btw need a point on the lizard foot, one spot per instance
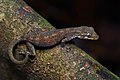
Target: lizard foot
(29, 54)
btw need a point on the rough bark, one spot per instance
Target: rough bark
(56, 63)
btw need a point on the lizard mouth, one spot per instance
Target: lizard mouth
(89, 37)
(94, 37)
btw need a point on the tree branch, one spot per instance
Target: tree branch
(56, 63)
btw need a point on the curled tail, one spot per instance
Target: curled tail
(11, 55)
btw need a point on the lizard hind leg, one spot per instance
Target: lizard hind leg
(31, 49)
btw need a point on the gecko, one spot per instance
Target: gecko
(39, 38)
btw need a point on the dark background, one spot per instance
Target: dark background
(103, 15)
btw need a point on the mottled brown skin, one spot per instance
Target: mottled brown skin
(49, 38)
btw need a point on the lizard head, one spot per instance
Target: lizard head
(87, 33)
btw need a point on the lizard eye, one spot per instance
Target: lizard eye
(86, 35)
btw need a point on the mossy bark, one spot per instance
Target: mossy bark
(56, 63)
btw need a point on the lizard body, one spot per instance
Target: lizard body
(49, 38)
